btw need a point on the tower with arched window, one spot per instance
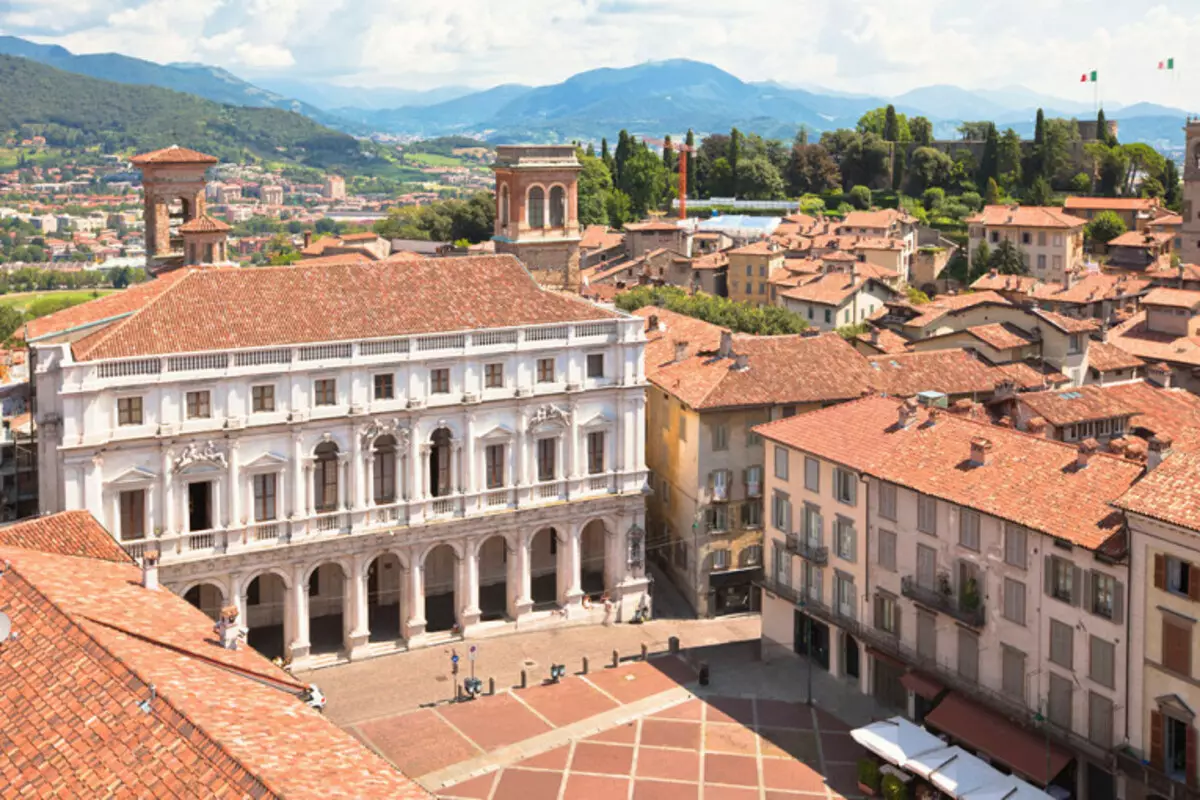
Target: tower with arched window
(537, 217)
(173, 195)
(1189, 251)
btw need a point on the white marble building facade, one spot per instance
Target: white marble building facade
(359, 478)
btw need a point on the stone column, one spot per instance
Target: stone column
(343, 478)
(237, 598)
(95, 491)
(369, 495)
(299, 493)
(574, 562)
(299, 646)
(235, 477)
(423, 467)
(414, 626)
(470, 584)
(471, 484)
(166, 506)
(307, 483)
(414, 467)
(361, 492)
(521, 588)
(573, 446)
(569, 592)
(359, 629)
(519, 448)
(457, 473)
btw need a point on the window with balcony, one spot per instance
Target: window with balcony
(262, 399)
(264, 496)
(927, 514)
(385, 386)
(133, 514)
(781, 512)
(439, 381)
(494, 458)
(887, 614)
(847, 597)
(812, 474)
(926, 568)
(781, 463)
(717, 518)
(814, 525)
(129, 411)
(545, 370)
(199, 405)
(845, 487)
(325, 477)
(720, 437)
(595, 452)
(720, 559)
(325, 392)
(385, 470)
(968, 529)
(493, 376)
(887, 550)
(200, 514)
(845, 539)
(887, 501)
(547, 450)
(1015, 546)
(595, 365)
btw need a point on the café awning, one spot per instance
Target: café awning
(896, 740)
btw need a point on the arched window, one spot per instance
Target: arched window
(504, 218)
(385, 470)
(558, 207)
(325, 477)
(440, 480)
(537, 207)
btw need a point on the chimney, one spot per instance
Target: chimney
(961, 407)
(1005, 388)
(741, 362)
(1004, 422)
(935, 415)
(681, 351)
(1160, 447)
(150, 570)
(1159, 374)
(307, 238)
(1084, 454)
(908, 413)
(1104, 332)
(979, 450)
(726, 344)
(1036, 426)
(874, 334)
(227, 628)
(652, 323)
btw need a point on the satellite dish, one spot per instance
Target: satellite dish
(5, 627)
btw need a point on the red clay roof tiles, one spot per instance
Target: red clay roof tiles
(70, 533)
(1170, 492)
(173, 155)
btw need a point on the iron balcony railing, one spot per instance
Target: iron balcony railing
(817, 554)
(968, 612)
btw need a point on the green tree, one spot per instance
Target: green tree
(607, 158)
(922, 131)
(1102, 132)
(624, 148)
(1081, 183)
(668, 154)
(1007, 259)
(860, 196)
(645, 180)
(865, 159)
(802, 136)
(811, 170)
(691, 163)
(10, 320)
(899, 168)
(1037, 159)
(739, 317)
(885, 123)
(981, 258)
(618, 208)
(735, 154)
(1143, 160)
(760, 180)
(891, 125)
(1104, 227)
(1109, 164)
(1008, 158)
(1170, 182)
(1039, 193)
(974, 131)
(929, 168)
(595, 184)
(992, 196)
(933, 197)
(720, 178)
(989, 162)
(1056, 153)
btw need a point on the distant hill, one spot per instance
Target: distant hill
(331, 96)
(74, 110)
(211, 83)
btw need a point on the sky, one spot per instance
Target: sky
(881, 47)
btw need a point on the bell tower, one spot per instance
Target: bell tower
(537, 210)
(173, 195)
(1189, 251)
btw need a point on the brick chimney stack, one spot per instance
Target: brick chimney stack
(979, 450)
(1084, 454)
(1160, 448)
(681, 351)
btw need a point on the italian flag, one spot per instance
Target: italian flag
(1168, 64)
(1088, 77)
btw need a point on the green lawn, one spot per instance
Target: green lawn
(42, 303)
(434, 160)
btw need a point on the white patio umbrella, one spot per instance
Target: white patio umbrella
(897, 740)
(963, 773)
(1012, 788)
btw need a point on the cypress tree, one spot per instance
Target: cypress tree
(891, 125)
(1038, 159)
(735, 149)
(624, 143)
(668, 154)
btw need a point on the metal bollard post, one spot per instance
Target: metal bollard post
(585, 665)
(645, 651)
(673, 645)
(616, 659)
(492, 686)
(524, 679)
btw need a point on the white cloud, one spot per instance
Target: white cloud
(870, 46)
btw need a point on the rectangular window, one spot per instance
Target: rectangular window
(753, 439)
(845, 538)
(995, 236)
(1061, 700)
(1062, 644)
(887, 501)
(1102, 602)
(1013, 669)
(264, 497)
(926, 567)
(129, 411)
(494, 465)
(683, 423)
(133, 514)
(493, 376)
(926, 635)
(1026, 237)
(720, 437)
(718, 518)
(752, 555)
(812, 474)
(754, 481)
(546, 451)
(1058, 240)
(752, 514)
(545, 370)
(1100, 720)
(1061, 579)
(781, 512)
(1179, 579)
(814, 525)
(326, 392)
(1102, 658)
(385, 387)
(439, 381)
(718, 485)
(887, 550)
(968, 655)
(887, 614)
(927, 514)
(845, 487)
(1041, 261)
(1041, 238)
(595, 365)
(1176, 645)
(1015, 549)
(595, 452)
(968, 529)
(828, 316)
(262, 398)
(846, 596)
(1075, 344)
(781, 463)
(787, 411)
(199, 405)
(1014, 601)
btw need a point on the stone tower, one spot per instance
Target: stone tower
(537, 210)
(173, 187)
(1189, 251)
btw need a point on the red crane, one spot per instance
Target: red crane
(683, 150)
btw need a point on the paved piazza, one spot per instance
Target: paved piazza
(641, 731)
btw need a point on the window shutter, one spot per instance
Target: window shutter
(1156, 738)
(1191, 755)
(1118, 603)
(851, 482)
(1160, 571)
(1048, 574)
(819, 521)
(1085, 591)
(878, 611)
(1076, 585)
(1193, 583)
(853, 543)
(899, 616)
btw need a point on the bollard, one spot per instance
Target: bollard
(645, 651)
(703, 673)
(457, 693)
(524, 679)
(673, 645)
(616, 659)
(585, 665)
(492, 686)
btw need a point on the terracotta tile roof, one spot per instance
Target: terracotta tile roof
(1170, 412)
(947, 371)
(888, 342)
(69, 533)
(830, 289)
(1098, 286)
(711, 261)
(221, 723)
(1166, 221)
(1032, 375)
(866, 269)
(1025, 217)
(1133, 337)
(1170, 492)
(760, 248)
(317, 247)
(803, 220)
(103, 308)
(1029, 480)
(600, 237)
(204, 224)
(1172, 298)
(839, 255)
(1139, 239)
(1111, 203)
(883, 218)
(781, 369)
(879, 244)
(945, 304)
(651, 226)
(1107, 357)
(173, 155)
(1001, 335)
(1080, 404)
(1067, 324)
(807, 266)
(213, 309)
(360, 237)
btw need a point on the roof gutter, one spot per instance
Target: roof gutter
(77, 328)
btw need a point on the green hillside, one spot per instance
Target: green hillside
(73, 110)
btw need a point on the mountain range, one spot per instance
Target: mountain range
(653, 98)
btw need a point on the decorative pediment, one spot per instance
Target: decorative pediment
(498, 432)
(138, 476)
(1174, 705)
(200, 458)
(550, 414)
(385, 427)
(267, 461)
(597, 421)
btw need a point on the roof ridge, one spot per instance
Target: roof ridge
(178, 715)
(1035, 437)
(116, 326)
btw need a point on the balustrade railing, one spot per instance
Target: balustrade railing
(552, 490)
(264, 532)
(499, 498)
(970, 612)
